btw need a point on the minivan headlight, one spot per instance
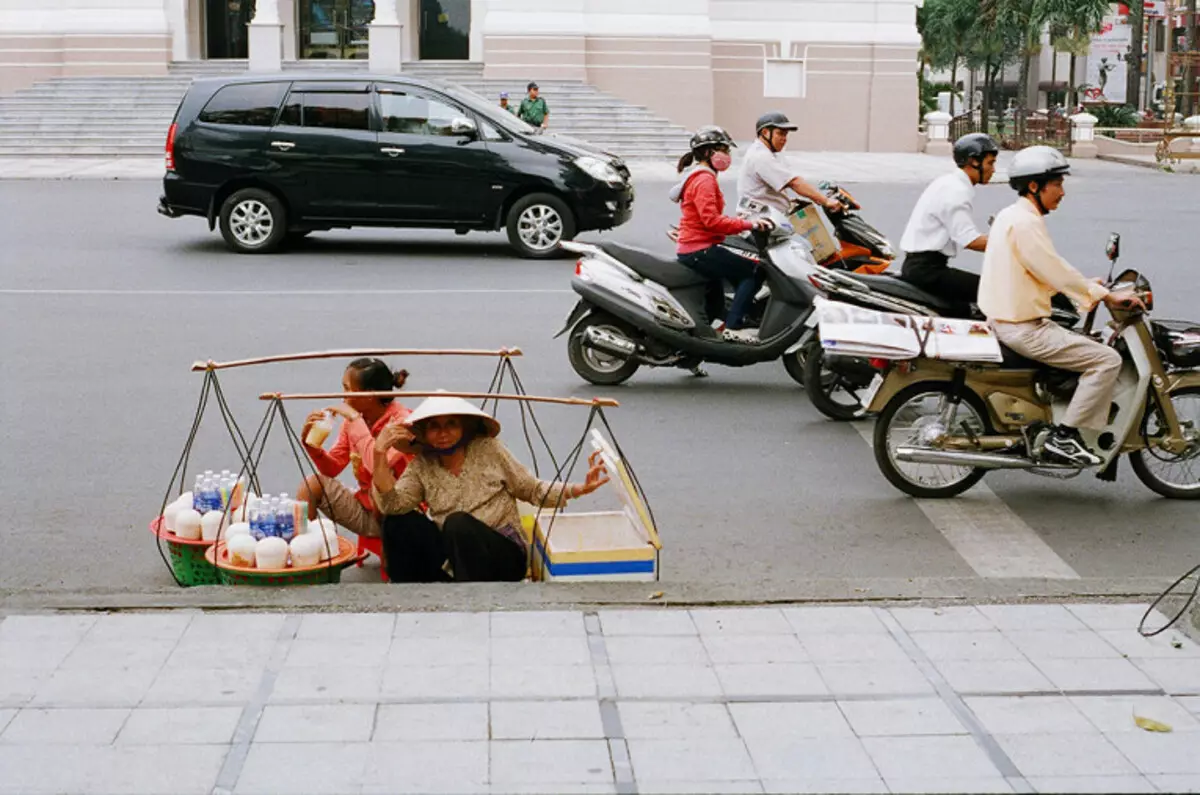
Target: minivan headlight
(599, 170)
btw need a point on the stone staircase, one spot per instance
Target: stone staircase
(129, 116)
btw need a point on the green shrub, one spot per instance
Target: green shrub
(1115, 115)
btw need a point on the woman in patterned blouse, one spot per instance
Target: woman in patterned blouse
(470, 483)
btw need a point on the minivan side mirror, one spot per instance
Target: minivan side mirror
(1113, 248)
(463, 126)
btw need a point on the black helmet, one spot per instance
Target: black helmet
(710, 135)
(773, 119)
(974, 145)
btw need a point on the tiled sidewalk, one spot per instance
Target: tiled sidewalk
(807, 699)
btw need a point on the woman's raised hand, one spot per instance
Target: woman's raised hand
(392, 434)
(343, 411)
(309, 421)
(597, 476)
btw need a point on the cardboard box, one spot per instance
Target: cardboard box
(600, 545)
(811, 223)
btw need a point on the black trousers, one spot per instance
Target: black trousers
(930, 271)
(416, 550)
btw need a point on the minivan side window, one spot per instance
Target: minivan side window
(342, 111)
(415, 114)
(248, 104)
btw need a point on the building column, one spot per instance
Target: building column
(266, 38)
(177, 26)
(479, 9)
(386, 39)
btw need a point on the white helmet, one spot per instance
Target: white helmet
(1036, 163)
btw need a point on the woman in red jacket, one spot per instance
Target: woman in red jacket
(703, 226)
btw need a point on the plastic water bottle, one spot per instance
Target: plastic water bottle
(270, 510)
(256, 518)
(285, 524)
(198, 494)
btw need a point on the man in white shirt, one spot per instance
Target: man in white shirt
(765, 176)
(941, 225)
(1021, 273)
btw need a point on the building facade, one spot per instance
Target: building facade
(845, 69)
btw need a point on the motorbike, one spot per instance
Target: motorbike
(863, 248)
(943, 425)
(636, 308)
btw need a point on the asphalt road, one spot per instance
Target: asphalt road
(104, 305)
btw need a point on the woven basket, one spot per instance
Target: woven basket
(328, 572)
(187, 557)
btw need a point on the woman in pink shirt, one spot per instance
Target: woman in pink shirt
(363, 419)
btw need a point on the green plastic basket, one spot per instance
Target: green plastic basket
(188, 562)
(322, 573)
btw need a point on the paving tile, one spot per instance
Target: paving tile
(743, 680)
(1102, 617)
(953, 757)
(1174, 676)
(541, 651)
(874, 678)
(65, 726)
(790, 720)
(312, 768)
(900, 717)
(1026, 617)
(201, 687)
(335, 651)
(433, 683)
(544, 681)
(154, 769)
(442, 767)
(927, 786)
(1190, 703)
(799, 758)
(647, 622)
(235, 626)
(196, 652)
(180, 726)
(92, 654)
(1054, 644)
(468, 650)
(826, 786)
(139, 627)
(1176, 783)
(1115, 713)
(741, 621)
(990, 645)
(666, 681)
(536, 788)
(53, 628)
(6, 715)
(941, 619)
(676, 649)
(1066, 754)
(416, 722)
(705, 760)
(538, 624)
(1159, 754)
(649, 720)
(47, 770)
(1131, 643)
(853, 647)
(546, 720)
(550, 761)
(1089, 784)
(442, 625)
(724, 649)
(100, 687)
(1029, 715)
(19, 686)
(327, 684)
(833, 620)
(34, 654)
(1095, 675)
(699, 787)
(1005, 676)
(316, 723)
(346, 626)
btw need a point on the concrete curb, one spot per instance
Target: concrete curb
(1184, 167)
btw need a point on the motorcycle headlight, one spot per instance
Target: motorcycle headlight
(599, 170)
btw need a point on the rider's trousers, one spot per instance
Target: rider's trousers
(1100, 365)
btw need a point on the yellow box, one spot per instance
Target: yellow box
(811, 223)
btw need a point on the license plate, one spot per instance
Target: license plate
(872, 390)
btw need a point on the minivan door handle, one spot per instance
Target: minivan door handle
(391, 151)
(284, 145)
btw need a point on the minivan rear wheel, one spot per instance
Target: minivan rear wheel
(537, 223)
(253, 221)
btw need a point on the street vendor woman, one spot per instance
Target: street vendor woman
(471, 483)
(363, 419)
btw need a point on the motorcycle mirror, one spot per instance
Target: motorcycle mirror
(1112, 250)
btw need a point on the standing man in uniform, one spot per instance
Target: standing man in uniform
(941, 225)
(533, 108)
(504, 103)
(765, 176)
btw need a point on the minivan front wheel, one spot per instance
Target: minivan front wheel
(253, 221)
(537, 223)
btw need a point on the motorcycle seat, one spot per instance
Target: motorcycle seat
(667, 272)
(898, 288)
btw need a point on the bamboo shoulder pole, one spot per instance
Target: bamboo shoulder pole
(605, 402)
(503, 353)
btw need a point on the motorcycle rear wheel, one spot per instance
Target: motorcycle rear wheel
(794, 364)
(598, 367)
(831, 392)
(1148, 463)
(915, 407)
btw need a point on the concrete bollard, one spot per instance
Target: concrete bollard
(1083, 135)
(937, 133)
(1192, 125)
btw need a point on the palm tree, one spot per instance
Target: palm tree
(1078, 19)
(945, 27)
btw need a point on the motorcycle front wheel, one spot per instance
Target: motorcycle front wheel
(911, 419)
(600, 367)
(794, 364)
(835, 388)
(1175, 476)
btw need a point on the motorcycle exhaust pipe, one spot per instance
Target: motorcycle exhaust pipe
(610, 343)
(925, 455)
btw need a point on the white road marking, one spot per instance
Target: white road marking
(496, 291)
(987, 534)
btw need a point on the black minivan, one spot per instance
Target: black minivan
(272, 157)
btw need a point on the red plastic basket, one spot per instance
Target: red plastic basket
(328, 572)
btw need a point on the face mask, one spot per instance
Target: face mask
(721, 161)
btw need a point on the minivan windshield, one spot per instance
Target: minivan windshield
(493, 113)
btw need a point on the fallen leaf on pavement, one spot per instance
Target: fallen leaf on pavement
(656, 595)
(1150, 725)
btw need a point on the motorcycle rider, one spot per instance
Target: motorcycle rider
(941, 225)
(765, 175)
(1021, 273)
(703, 226)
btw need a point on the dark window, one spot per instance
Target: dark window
(416, 115)
(249, 104)
(338, 111)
